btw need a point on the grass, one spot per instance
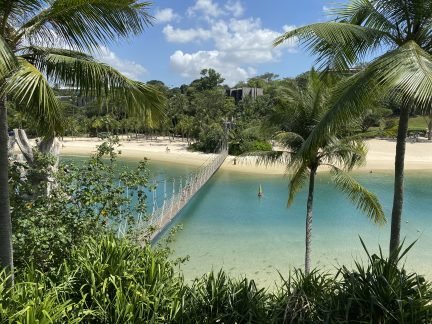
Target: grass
(417, 122)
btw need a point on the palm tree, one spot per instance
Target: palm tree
(362, 28)
(41, 44)
(337, 153)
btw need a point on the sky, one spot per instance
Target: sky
(234, 37)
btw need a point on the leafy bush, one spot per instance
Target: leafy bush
(210, 139)
(85, 201)
(417, 131)
(303, 298)
(249, 146)
(110, 280)
(119, 282)
(216, 298)
(35, 299)
(381, 292)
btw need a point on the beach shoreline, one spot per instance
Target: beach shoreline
(380, 156)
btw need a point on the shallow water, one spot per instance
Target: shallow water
(227, 226)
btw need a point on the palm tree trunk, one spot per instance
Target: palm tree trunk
(6, 257)
(430, 129)
(399, 178)
(309, 220)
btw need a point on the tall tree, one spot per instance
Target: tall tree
(403, 30)
(304, 109)
(41, 44)
(210, 79)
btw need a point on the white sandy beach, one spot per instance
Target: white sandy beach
(380, 157)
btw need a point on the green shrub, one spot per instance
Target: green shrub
(120, 282)
(381, 292)
(249, 146)
(35, 299)
(422, 131)
(216, 298)
(110, 280)
(86, 201)
(303, 298)
(210, 139)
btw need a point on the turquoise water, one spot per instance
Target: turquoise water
(227, 226)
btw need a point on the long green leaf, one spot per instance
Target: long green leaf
(29, 89)
(366, 201)
(297, 181)
(85, 24)
(337, 44)
(7, 59)
(91, 78)
(407, 70)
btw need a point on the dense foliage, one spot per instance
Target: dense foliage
(70, 267)
(108, 280)
(86, 200)
(201, 113)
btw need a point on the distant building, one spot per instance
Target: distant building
(241, 93)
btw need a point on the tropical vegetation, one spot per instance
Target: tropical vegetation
(42, 43)
(295, 119)
(82, 272)
(113, 280)
(364, 28)
(78, 256)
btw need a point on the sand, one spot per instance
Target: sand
(380, 156)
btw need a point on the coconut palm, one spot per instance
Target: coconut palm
(338, 153)
(42, 44)
(402, 30)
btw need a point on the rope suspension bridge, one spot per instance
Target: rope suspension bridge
(176, 195)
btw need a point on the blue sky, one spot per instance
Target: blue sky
(232, 36)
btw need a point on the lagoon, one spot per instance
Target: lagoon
(227, 226)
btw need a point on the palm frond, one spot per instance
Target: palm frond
(337, 44)
(407, 70)
(86, 24)
(290, 140)
(37, 54)
(91, 78)
(345, 153)
(371, 14)
(17, 10)
(297, 181)
(7, 59)
(268, 158)
(364, 200)
(29, 89)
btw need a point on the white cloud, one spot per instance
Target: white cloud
(239, 45)
(287, 28)
(175, 35)
(206, 7)
(165, 15)
(190, 65)
(129, 68)
(234, 7)
(236, 46)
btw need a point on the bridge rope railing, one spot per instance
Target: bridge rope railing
(164, 209)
